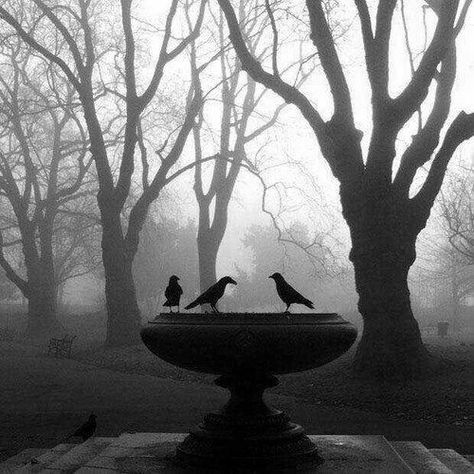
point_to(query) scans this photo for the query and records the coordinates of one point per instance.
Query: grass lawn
(445, 398)
(42, 398)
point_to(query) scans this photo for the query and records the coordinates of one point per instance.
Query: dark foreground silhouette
(85, 431)
(288, 294)
(173, 293)
(213, 294)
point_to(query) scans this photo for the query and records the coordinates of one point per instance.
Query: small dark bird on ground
(213, 294)
(173, 293)
(86, 430)
(288, 294)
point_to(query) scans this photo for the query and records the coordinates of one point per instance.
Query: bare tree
(80, 62)
(167, 247)
(444, 277)
(384, 220)
(457, 212)
(242, 123)
(44, 169)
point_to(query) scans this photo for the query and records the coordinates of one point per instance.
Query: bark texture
(383, 233)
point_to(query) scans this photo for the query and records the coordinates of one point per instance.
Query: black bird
(173, 293)
(86, 430)
(213, 294)
(288, 294)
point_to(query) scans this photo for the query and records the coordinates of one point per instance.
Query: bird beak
(233, 282)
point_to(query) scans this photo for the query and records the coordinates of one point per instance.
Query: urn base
(247, 435)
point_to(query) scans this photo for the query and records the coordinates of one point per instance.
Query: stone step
(45, 459)
(153, 453)
(419, 458)
(78, 456)
(24, 457)
(457, 463)
(136, 453)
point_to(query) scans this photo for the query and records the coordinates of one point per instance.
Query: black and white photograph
(237, 236)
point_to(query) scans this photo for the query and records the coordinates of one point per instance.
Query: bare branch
(426, 140)
(461, 129)
(324, 42)
(275, 38)
(10, 272)
(410, 54)
(416, 91)
(4, 15)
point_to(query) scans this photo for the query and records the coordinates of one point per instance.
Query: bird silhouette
(173, 293)
(86, 430)
(288, 294)
(213, 294)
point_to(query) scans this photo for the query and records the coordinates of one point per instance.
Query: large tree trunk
(123, 321)
(383, 249)
(391, 344)
(42, 309)
(207, 256)
(207, 252)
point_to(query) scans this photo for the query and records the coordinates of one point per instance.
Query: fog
(277, 185)
(289, 194)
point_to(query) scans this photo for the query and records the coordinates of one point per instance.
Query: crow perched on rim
(213, 294)
(86, 430)
(173, 293)
(288, 294)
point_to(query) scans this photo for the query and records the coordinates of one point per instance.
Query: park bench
(61, 347)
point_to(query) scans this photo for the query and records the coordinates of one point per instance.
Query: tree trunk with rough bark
(383, 217)
(391, 342)
(123, 322)
(207, 252)
(384, 236)
(42, 308)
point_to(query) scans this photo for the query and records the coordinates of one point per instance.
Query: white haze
(293, 137)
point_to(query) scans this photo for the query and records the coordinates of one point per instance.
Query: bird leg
(214, 308)
(287, 312)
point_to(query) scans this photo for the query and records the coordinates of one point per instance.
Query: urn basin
(247, 351)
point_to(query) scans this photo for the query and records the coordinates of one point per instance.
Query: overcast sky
(294, 138)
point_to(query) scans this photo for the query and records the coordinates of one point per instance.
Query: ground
(43, 399)
(445, 397)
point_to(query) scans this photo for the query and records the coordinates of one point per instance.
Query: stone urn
(246, 351)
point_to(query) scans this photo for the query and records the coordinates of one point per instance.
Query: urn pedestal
(246, 351)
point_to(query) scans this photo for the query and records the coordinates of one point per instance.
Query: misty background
(284, 212)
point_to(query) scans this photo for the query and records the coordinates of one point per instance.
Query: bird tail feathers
(308, 304)
(191, 305)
